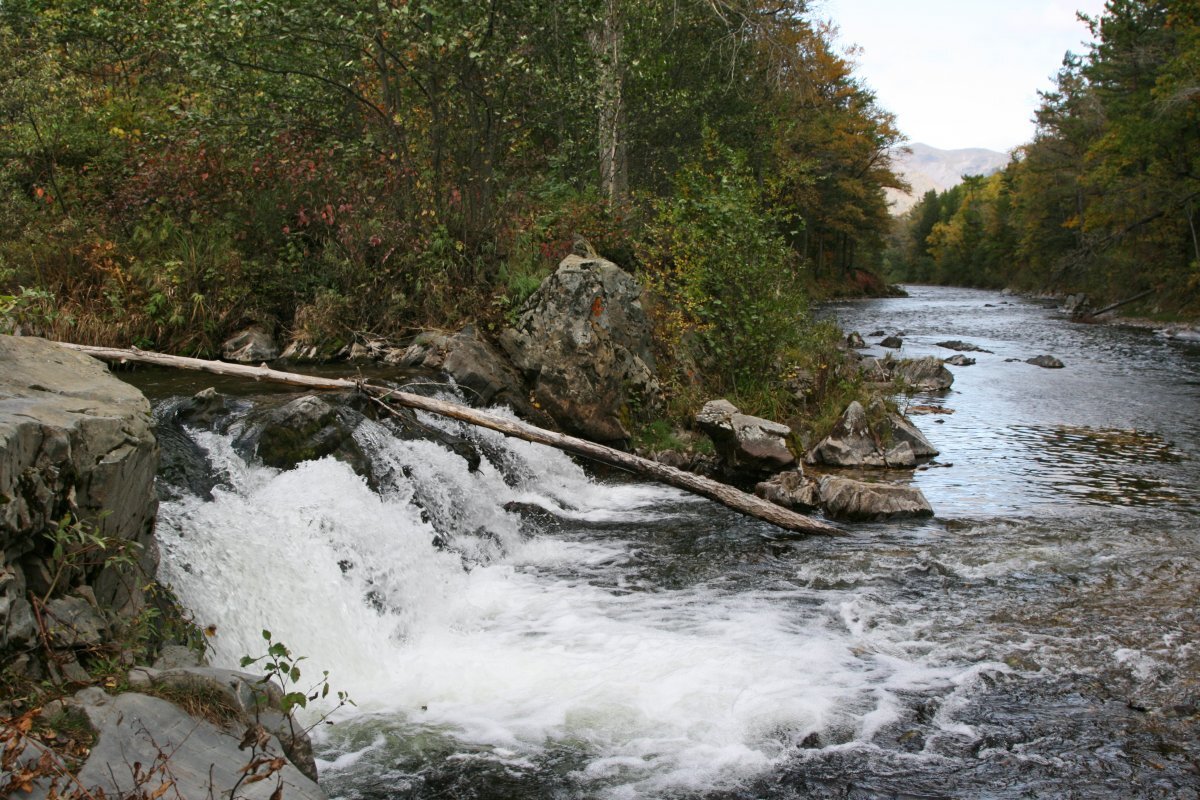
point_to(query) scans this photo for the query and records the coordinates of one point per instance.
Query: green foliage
(730, 298)
(278, 664)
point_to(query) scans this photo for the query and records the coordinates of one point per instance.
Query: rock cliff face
(583, 344)
(74, 441)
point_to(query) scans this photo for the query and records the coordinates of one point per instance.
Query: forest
(1106, 198)
(175, 170)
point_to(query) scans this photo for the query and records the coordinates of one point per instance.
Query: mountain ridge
(927, 167)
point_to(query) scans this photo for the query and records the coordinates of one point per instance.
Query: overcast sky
(960, 73)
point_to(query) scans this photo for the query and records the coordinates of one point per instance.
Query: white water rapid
(529, 643)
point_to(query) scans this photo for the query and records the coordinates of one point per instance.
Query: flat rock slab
(844, 498)
(199, 758)
(1046, 362)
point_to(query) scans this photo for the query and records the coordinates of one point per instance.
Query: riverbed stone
(892, 342)
(927, 374)
(845, 498)
(1045, 361)
(477, 367)
(962, 347)
(791, 489)
(959, 361)
(879, 439)
(748, 446)
(583, 344)
(855, 340)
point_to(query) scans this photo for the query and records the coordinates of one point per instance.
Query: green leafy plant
(280, 665)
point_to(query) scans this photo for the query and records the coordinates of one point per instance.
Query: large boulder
(749, 446)
(844, 498)
(583, 343)
(879, 439)
(76, 444)
(927, 374)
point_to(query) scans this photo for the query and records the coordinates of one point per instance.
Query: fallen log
(714, 490)
(1115, 306)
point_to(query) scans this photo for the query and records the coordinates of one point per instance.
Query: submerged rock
(843, 498)
(892, 342)
(748, 446)
(961, 346)
(304, 429)
(583, 344)
(1045, 361)
(959, 361)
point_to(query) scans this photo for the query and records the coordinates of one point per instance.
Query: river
(528, 630)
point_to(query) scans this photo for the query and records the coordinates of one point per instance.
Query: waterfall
(514, 612)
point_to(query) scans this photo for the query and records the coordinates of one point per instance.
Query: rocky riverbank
(81, 614)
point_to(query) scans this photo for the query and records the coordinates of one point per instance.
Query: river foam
(449, 618)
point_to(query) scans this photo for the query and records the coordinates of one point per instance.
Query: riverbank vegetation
(1106, 198)
(355, 167)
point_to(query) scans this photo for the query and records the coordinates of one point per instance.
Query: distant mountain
(930, 168)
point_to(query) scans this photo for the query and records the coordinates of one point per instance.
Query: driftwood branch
(1117, 305)
(714, 490)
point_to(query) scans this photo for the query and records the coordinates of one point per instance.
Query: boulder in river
(962, 347)
(791, 489)
(844, 498)
(959, 361)
(923, 374)
(583, 343)
(1045, 361)
(748, 446)
(880, 439)
(892, 342)
(855, 340)
(304, 429)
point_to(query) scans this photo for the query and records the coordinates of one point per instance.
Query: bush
(729, 298)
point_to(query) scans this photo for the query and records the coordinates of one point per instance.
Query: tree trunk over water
(714, 490)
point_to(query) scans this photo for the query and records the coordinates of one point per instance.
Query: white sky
(960, 73)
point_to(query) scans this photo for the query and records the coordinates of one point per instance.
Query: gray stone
(962, 347)
(257, 700)
(891, 442)
(201, 759)
(304, 429)
(484, 374)
(72, 622)
(1046, 362)
(252, 345)
(855, 340)
(791, 490)
(74, 440)
(959, 361)
(748, 446)
(177, 656)
(892, 342)
(927, 374)
(583, 344)
(843, 498)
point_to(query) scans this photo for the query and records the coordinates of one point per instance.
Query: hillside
(928, 168)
